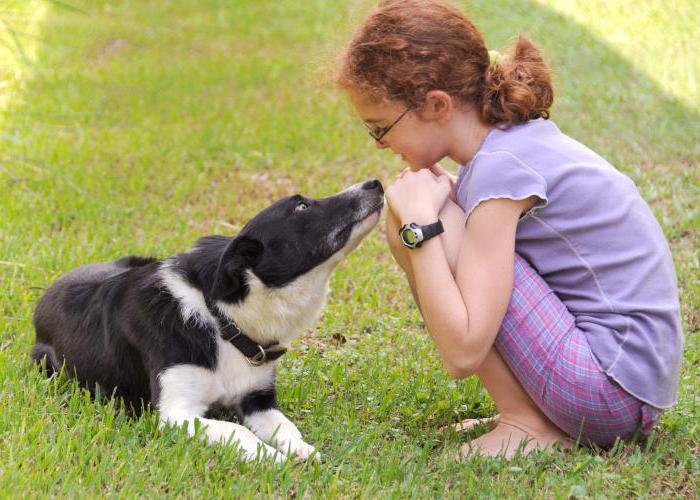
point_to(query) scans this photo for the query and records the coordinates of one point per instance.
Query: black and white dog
(203, 328)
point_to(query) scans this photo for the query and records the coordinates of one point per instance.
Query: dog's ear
(241, 254)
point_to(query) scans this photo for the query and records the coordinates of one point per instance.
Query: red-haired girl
(549, 278)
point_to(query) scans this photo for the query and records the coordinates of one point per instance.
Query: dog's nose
(373, 184)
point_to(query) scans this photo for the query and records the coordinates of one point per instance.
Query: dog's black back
(84, 301)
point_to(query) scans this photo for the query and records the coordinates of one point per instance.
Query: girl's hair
(406, 48)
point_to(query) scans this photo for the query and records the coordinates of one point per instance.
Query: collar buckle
(259, 358)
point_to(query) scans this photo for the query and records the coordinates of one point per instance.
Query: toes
(469, 423)
(264, 453)
(313, 454)
(302, 451)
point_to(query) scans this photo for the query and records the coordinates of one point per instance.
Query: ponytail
(517, 88)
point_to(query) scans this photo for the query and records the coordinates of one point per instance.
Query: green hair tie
(494, 57)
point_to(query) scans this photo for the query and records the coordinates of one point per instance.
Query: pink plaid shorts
(551, 358)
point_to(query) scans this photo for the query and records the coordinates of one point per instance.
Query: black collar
(255, 354)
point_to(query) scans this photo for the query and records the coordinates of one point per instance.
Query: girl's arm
(463, 313)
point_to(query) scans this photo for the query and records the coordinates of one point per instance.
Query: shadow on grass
(600, 98)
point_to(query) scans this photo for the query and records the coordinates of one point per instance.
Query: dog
(204, 329)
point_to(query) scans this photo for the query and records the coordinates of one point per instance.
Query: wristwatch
(412, 235)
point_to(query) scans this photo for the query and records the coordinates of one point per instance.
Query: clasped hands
(418, 196)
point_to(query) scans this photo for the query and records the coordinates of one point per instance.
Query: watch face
(410, 237)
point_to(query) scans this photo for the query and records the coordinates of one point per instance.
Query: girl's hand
(418, 196)
(438, 171)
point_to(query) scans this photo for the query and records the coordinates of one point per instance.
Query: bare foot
(469, 423)
(508, 438)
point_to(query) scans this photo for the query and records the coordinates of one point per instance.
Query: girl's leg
(519, 417)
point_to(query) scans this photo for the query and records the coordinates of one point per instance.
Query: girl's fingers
(402, 173)
(438, 170)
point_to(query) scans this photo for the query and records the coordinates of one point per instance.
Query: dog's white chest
(234, 377)
(187, 386)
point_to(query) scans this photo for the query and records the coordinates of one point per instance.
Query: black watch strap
(431, 230)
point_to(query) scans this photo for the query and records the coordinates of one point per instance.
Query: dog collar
(254, 353)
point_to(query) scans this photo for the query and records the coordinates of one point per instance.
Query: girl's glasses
(378, 133)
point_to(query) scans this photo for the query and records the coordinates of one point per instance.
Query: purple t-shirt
(595, 241)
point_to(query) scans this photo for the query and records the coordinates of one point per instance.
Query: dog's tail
(45, 356)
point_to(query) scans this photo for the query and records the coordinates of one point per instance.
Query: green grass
(138, 126)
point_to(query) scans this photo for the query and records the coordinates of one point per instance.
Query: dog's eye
(301, 206)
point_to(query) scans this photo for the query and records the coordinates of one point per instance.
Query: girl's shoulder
(537, 147)
(537, 141)
(536, 158)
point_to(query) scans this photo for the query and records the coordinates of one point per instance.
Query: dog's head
(294, 237)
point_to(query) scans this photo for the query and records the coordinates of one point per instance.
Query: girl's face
(420, 141)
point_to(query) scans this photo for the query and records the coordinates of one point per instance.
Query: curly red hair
(406, 48)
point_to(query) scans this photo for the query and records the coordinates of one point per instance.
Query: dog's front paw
(252, 449)
(277, 456)
(302, 451)
(263, 452)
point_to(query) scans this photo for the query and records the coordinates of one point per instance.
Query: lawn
(134, 127)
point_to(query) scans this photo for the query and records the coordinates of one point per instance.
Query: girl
(551, 281)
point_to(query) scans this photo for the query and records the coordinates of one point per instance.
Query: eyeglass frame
(385, 130)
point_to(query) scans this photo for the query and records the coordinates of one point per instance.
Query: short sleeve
(498, 174)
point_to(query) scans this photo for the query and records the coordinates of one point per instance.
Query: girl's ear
(438, 106)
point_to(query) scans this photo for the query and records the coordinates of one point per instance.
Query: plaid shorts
(553, 361)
